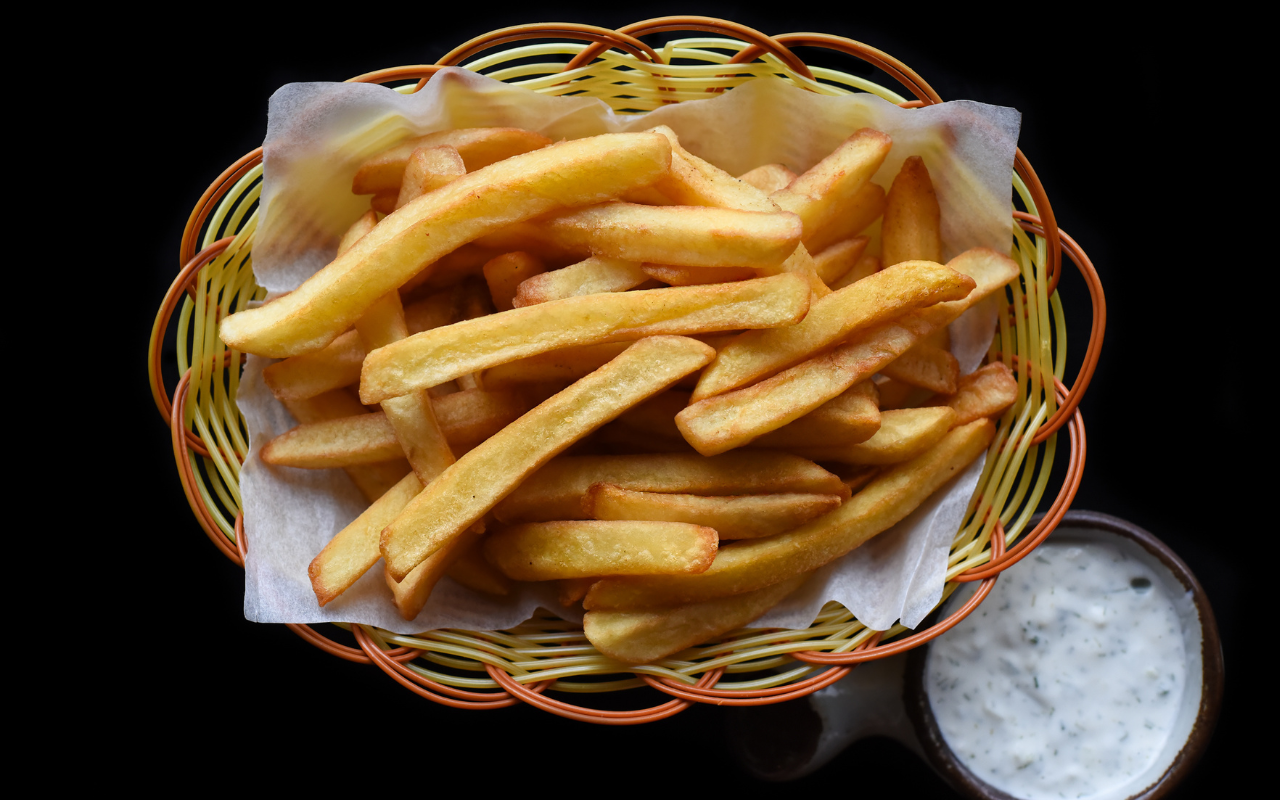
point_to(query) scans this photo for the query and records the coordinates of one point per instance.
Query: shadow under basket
(487, 669)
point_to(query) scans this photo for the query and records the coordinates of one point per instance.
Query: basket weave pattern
(487, 669)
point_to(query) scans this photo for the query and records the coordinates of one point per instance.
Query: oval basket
(488, 669)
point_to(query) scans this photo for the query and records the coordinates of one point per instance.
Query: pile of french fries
(608, 363)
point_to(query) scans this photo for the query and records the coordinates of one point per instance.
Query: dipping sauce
(1067, 680)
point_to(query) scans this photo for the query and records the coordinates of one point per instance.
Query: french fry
(466, 418)
(904, 434)
(412, 593)
(478, 147)
(696, 276)
(877, 299)
(428, 169)
(592, 276)
(738, 517)
(557, 490)
(854, 217)
(912, 226)
(817, 195)
(442, 354)
(483, 477)
(867, 265)
(769, 178)
(545, 551)
(730, 420)
(373, 480)
(985, 392)
(752, 564)
(310, 374)
(354, 550)
(506, 272)
(849, 418)
(567, 174)
(639, 637)
(927, 367)
(384, 203)
(690, 236)
(695, 182)
(834, 262)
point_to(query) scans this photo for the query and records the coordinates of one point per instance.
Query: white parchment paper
(317, 135)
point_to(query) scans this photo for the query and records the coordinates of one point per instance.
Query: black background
(1105, 129)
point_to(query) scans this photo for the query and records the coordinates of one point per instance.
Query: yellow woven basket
(488, 669)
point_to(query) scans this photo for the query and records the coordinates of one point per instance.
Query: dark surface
(1121, 169)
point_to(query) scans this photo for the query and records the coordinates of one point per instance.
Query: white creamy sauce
(1067, 680)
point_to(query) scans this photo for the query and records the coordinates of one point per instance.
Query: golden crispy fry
(693, 236)
(834, 262)
(557, 490)
(478, 147)
(818, 195)
(443, 354)
(912, 219)
(738, 517)
(592, 276)
(720, 423)
(752, 564)
(310, 374)
(986, 392)
(879, 298)
(769, 178)
(927, 367)
(466, 418)
(483, 477)
(357, 230)
(854, 217)
(696, 276)
(385, 203)
(555, 366)
(567, 174)
(867, 265)
(850, 418)
(546, 551)
(904, 434)
(373, 480)
(508, 271)
(474, 572)
(638, 637)
(350, 554)
(695, 182)
(572, 590)
(411, 416)
(428, 169)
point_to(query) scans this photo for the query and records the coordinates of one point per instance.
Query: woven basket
(486, 669)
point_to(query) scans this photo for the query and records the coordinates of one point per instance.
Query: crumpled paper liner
(317, 135)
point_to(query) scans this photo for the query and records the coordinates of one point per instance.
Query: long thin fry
(557, 490)
(568, 174)
(442, 354)
(546, 551)
(748, 516)
(753, 564)
(483, 477)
